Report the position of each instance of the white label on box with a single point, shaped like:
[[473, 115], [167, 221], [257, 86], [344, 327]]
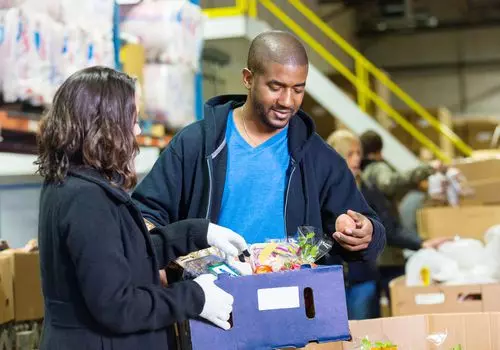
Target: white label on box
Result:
[[429, 299], [278, 298]]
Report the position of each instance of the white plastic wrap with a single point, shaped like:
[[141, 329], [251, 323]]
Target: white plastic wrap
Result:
[[35, 70], [449, 186], [169, 94], [171, 31], [462, 261], [437, 186], [441, 268], [467, 252], [90, 15], [39, 51], [492, 239], [4, 45], [49, 7]]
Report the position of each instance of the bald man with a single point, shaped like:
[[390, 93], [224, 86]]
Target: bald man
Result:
[[255, 164]]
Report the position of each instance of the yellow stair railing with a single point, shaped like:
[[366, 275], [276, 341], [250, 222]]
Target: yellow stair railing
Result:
[[360, 78]]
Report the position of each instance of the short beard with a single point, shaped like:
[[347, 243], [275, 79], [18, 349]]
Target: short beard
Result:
[[260, 110]]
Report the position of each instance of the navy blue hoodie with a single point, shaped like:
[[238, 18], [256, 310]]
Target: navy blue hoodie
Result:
[[187, 180]]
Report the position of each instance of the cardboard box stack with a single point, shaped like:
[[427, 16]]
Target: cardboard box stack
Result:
[[437, 298], [469, 221], [472, 331], [483, 175], [465, 221], [21, 301]]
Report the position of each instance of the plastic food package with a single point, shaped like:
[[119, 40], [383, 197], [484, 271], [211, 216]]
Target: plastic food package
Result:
[[306, 248], [209, 260]]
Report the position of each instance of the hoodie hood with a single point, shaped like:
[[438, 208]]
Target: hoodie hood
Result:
[[300, 132]]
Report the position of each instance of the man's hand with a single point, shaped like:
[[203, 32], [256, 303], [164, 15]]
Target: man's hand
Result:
[[353, 238]]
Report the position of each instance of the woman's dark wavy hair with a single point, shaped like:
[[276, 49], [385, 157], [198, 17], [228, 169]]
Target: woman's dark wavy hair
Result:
[[91, 124]]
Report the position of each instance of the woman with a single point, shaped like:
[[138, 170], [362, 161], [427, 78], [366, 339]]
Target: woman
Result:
[[99, 264], [362, 277]]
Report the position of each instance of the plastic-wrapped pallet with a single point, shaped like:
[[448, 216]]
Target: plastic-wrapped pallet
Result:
[[46, 41], [169, 94], [96, 15], [171, 31]]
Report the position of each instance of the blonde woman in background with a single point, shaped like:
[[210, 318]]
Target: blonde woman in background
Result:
[[362, 276], [392, 263]]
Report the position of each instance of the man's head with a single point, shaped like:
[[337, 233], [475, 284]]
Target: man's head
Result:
[[275, 77], [420, 177], [372, 145]]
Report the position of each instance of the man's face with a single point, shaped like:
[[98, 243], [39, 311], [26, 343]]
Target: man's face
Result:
[[277, 93]]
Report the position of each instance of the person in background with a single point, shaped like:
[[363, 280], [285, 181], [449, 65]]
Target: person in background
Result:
[[99, 263], [385, 187], [377, 172], [414, 200], [361, 276], [256, 165]]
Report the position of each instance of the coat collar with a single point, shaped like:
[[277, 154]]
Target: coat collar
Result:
[[92, 175]]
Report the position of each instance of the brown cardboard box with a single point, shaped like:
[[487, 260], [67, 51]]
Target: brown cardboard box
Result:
[[6, 290], [477, 170], [486, 191], [472, 331], [481, 133], [465, 221], [27, 289], [483, 175], [443, 299]]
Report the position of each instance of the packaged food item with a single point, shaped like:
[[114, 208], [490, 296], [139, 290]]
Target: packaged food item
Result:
[[372, 343], [211, 260], [306, 248]]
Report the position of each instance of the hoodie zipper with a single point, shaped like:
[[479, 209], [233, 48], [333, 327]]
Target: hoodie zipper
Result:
[[209, 164], [287, 192]]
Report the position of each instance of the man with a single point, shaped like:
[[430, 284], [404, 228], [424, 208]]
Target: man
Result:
[[383, 187], [255, 164], [378, 173]]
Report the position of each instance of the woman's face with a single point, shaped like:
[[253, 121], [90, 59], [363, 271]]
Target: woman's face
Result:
[[353, 158], [137, 128]]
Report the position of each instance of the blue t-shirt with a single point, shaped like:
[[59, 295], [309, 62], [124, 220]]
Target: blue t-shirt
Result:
[[254, 191]]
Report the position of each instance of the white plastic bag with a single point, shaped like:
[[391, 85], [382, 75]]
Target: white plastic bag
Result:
[[467, 252], [492, 239], [441, 268]]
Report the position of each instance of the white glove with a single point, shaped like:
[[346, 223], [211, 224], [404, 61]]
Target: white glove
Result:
[[218, 304], [244, 268], [228, 241]]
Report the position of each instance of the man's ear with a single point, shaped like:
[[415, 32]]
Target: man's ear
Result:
[[247, 78]]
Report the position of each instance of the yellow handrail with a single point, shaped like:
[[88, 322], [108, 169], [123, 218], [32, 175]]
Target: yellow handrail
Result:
[[327, 56], [381, 76], [239, 9], [363, 68]]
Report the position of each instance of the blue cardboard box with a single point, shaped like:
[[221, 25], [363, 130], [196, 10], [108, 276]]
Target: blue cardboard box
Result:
[[279, 310]]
